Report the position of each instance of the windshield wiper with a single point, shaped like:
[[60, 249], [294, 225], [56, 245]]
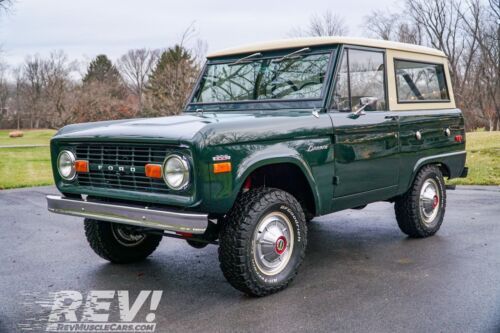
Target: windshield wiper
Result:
[[244, 59], [293, 54]]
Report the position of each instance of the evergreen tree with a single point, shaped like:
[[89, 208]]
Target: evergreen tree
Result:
[[101, 69], [171, 81], [104, 77]]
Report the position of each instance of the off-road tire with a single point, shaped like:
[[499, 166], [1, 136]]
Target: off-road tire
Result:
[[236, 250], [104, 243], [407, 207]]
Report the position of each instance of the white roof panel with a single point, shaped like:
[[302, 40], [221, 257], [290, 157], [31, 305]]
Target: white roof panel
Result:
[[318, 41]]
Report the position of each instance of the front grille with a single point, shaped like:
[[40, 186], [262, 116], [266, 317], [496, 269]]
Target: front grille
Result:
[[121, 166]]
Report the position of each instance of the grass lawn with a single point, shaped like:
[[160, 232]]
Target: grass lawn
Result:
[[31, 137], [483, 159], [23, 167]]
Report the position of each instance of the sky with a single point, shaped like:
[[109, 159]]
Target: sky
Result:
[[86, 28]]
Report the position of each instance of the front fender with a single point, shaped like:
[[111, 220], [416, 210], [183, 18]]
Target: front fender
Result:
[[252, 164], [245, 160]]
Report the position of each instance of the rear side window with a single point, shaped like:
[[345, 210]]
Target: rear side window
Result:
[[420, 82]]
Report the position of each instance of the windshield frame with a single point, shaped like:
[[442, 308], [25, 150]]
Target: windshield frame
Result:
[[331, 50]]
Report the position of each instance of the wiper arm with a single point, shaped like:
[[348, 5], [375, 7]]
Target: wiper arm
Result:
[[244, 59], [293, 54]]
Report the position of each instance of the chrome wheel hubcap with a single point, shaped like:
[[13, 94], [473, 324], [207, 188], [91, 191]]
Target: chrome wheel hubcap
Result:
[[273, 243], [429, 201], [127, 236]]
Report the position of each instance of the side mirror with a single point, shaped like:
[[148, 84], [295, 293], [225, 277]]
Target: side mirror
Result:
[[368, 103]]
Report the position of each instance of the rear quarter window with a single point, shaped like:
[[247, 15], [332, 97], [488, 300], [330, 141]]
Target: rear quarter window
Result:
[[420, 82]]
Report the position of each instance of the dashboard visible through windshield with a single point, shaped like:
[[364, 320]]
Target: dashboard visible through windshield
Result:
[[253, 78]]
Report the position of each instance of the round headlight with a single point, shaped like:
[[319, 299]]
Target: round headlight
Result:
[[66, 165], [176, 172]]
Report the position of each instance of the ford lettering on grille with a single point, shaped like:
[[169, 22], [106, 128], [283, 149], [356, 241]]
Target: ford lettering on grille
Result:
[[119, 169]]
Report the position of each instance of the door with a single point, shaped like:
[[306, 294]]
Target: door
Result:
[[366, 134]]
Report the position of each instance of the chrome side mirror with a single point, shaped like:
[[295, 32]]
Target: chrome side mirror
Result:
[[365, 102]]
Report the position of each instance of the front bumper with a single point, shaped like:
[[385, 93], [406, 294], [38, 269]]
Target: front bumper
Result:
[[167, 220]]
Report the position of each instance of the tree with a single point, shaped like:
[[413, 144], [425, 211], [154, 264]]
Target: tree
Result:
[[31, 89], [483, 24], [171, 81], [104, 78], [95, 102], [57, 89], [389, 26], [4, 91], [328, 24], [5, 5], [102, 69], [43, 91], [135, 67]]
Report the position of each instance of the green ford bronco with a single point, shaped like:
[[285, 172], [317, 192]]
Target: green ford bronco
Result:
[[272, 135]]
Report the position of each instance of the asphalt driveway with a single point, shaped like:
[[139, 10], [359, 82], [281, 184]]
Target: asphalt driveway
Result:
[[361, 273]]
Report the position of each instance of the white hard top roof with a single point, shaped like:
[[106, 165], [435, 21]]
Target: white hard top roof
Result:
[[318, 41]]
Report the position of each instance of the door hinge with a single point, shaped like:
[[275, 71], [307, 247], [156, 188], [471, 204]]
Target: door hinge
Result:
[[336, 180]]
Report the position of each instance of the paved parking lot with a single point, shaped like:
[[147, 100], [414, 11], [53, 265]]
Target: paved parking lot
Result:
[[361, 273]]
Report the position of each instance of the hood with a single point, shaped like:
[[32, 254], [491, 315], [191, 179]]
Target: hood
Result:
[[169, 129], [212, 128]]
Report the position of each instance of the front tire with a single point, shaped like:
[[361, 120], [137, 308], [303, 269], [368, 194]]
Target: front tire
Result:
[[263, 241], [119, 243], [420, 211]]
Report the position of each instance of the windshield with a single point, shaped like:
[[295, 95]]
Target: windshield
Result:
[[279, 78]]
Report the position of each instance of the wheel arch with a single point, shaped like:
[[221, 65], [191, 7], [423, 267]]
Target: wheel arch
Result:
[[447, 164], [304, 188]]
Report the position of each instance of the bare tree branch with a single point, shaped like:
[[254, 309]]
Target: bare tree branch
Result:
[[5, 5], [328, 24], [135, 67]]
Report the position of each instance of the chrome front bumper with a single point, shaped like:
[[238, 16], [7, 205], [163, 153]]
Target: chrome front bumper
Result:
[[193, 223]]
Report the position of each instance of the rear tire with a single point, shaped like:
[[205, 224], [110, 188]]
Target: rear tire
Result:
[[263, 241], [119, 243], [420, 211]]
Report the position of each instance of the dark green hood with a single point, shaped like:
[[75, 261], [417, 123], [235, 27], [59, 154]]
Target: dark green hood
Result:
[[206, 129]]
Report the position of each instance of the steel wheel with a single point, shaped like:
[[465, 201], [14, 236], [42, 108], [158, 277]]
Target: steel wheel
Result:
[[429, 200], [273, 243], [127, 236]]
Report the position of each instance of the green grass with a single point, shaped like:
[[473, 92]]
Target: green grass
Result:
[[483, 159], [31, 137], [23, 167]]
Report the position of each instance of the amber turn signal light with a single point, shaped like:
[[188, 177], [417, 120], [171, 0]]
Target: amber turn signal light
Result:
[[153, 170], [81, 166], [222, 167]]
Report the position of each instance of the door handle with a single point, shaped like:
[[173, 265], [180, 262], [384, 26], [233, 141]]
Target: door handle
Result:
[[392, 117]]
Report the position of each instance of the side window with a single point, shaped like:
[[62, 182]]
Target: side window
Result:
[[341, 99], [360, 76], [420, 82]]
